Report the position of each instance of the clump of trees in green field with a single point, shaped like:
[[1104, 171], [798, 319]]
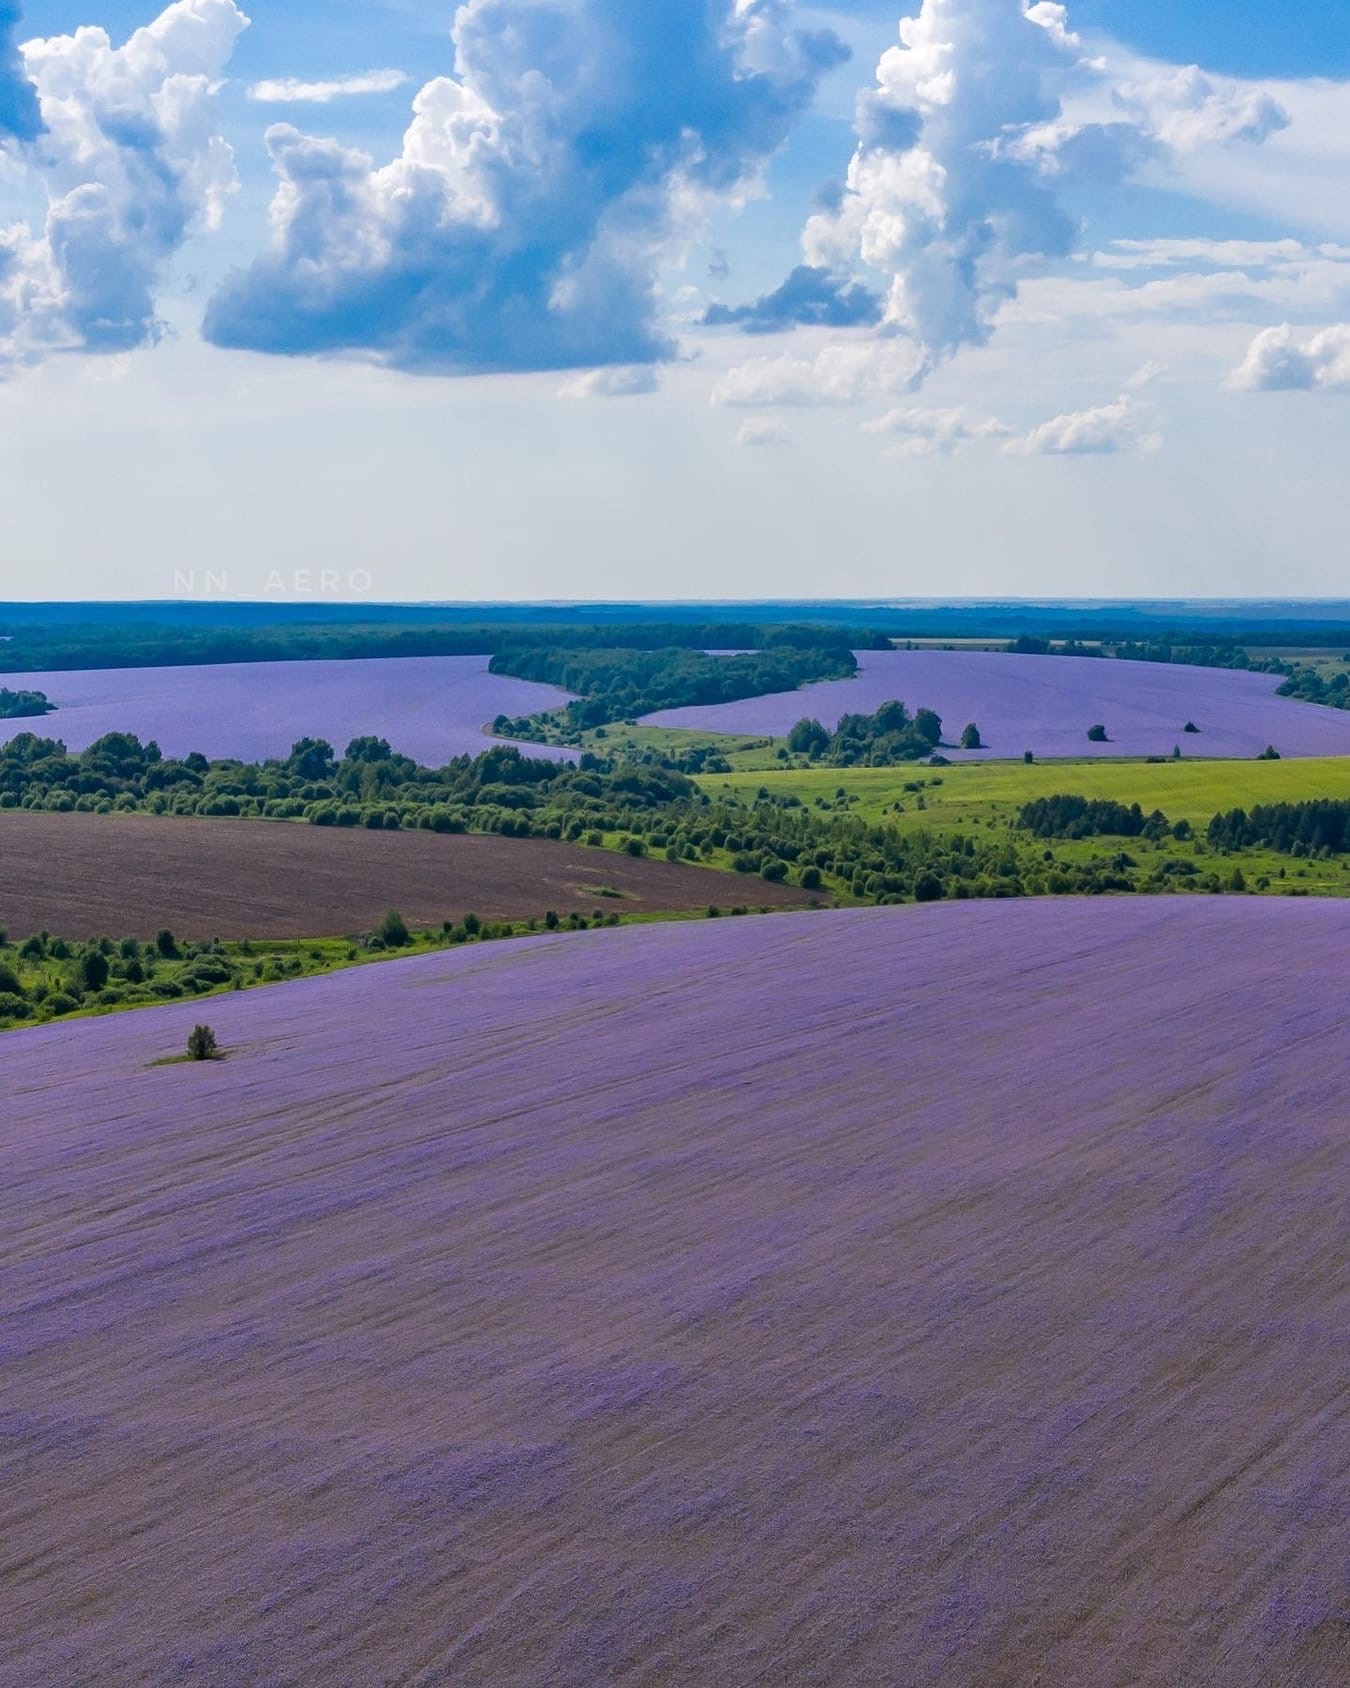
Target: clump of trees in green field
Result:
[[1309, 685], [881, 740], [1066, 815], [17, 706], [1319, 827]]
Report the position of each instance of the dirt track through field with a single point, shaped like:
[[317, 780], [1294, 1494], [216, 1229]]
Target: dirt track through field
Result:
[[948, 1296], [129, 875]]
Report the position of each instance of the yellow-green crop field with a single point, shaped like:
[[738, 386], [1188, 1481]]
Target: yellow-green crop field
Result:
[[955, 796]]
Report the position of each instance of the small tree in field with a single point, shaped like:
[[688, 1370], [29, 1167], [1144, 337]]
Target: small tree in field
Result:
[[202, 1045], [1097, 734], [970, 738], [393, 930]]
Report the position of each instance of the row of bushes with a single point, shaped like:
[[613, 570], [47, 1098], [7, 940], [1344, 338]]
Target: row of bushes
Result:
[[46, 977]]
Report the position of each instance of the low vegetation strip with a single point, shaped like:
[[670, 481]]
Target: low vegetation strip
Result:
[[515, 1345], [254, 879]]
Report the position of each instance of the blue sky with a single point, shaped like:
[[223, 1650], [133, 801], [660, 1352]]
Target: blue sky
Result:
[[735, 298]]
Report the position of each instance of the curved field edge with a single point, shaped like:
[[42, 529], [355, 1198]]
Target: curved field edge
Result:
[[774, 1297], [1046, 704], [264, 879], [429, 708]]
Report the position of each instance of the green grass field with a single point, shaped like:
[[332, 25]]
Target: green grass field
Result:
[[745, 754], [1193, 790], [979, 798]]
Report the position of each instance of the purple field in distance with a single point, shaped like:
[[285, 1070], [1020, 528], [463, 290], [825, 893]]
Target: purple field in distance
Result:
[[972, 1309], [429, 707], [1046, 704]]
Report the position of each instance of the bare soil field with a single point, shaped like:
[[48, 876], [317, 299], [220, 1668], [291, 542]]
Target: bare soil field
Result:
[[129, 875], [948, 1296]]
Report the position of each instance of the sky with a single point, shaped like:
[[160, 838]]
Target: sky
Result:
[[596, 299]]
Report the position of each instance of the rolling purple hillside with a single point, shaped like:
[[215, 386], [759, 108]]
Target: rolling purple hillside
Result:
[[931, 1295], [428, 707], [1046, 704]]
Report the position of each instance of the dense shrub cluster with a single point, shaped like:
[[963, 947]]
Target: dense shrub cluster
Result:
[[370, 785], [1307, 684], [16, 706], [1320, 827], [620, 684], [1222, 653], [881, 740], [1068, 816], [1028, 644]]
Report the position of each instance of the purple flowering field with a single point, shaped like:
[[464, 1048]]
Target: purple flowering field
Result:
[[1046, 704], [972, 1310], [430, 708]]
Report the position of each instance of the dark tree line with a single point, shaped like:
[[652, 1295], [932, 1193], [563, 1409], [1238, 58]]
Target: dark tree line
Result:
[[1068, 816], [38, 647], [1320, 826], [621, 684]]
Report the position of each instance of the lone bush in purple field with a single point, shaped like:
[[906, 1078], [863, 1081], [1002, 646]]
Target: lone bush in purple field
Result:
[[970, 738], [202, 1044], [1097, 734]]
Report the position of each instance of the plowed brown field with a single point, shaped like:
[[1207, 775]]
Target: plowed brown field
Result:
[[129, 875]]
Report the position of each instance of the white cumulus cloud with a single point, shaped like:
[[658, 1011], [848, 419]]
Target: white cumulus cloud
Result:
[[292, 90], [1185, 109], [983, 118], [1277, 362], [537, 190], [1122, 426], [131, 161]]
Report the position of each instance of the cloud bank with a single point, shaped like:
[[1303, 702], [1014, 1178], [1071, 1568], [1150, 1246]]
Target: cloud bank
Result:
[[536, 191], [131, 161]]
